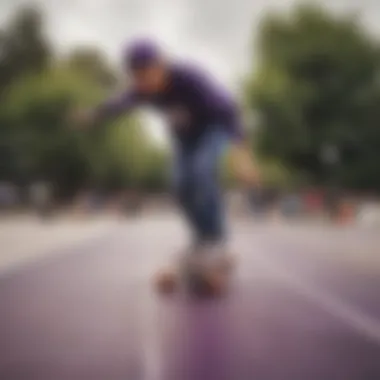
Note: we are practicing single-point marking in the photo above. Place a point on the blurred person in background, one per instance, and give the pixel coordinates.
(203, 119)
(8, 196)
(130, 203)
(291, 205)
(40, 194)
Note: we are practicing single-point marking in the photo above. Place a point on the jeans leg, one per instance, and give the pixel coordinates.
(209, 202)
(184, 190)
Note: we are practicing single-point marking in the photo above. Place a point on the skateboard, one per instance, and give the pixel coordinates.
(197, 277)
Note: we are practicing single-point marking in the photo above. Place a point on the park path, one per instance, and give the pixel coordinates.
(26, 239)
(292, 313)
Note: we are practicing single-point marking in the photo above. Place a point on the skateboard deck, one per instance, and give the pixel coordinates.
(196, 277)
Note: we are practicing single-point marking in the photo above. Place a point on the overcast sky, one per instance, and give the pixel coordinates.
(217, 33)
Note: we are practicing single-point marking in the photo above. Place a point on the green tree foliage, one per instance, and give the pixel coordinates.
(43, 144)
(24, 48)
(91, 64)
(23, 51)
(36, 141)
(317, 83)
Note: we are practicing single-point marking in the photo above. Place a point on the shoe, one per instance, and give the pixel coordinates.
(217, 255)
(166, 281)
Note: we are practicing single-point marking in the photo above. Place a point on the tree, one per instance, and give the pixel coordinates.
(36, 142)
(44, 146)
(317, 83)
(24, 48)
(42, 143)
(23, 51)
(91, 63)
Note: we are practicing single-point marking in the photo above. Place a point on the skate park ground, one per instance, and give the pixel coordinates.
(77, 303)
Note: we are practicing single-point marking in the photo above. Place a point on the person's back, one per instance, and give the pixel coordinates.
(190, 101)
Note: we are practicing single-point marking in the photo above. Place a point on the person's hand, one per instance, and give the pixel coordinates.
(243, 166)
(81, 118)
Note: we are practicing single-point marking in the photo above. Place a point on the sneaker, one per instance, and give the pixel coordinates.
(211, 253)
(188, 253)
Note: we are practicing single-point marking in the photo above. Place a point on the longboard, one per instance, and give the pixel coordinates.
(197, 278)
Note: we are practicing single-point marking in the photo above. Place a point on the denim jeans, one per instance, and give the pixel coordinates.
(198, 187)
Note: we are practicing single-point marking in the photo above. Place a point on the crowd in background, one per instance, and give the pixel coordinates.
(311, 203)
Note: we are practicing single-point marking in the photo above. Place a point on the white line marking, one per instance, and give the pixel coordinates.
(354, 318)
(149, 326)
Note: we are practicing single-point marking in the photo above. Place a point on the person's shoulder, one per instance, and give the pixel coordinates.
(193, 76)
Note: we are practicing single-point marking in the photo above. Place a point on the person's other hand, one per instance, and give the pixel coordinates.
(243, 166)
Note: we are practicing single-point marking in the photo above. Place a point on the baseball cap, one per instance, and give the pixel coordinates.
(141, 53)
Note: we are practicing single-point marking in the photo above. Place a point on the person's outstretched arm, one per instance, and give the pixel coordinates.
(109, 109)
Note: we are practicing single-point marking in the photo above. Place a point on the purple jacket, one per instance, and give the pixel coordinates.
(191, 102)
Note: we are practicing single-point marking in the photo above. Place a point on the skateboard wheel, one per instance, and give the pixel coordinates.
(217, 282)
(208, 283)
(166, 282)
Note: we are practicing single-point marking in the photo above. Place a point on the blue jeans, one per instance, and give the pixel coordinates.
(197, 185)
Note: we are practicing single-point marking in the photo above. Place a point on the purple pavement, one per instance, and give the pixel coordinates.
(91, 314)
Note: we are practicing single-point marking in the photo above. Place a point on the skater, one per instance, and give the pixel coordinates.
(204, 121)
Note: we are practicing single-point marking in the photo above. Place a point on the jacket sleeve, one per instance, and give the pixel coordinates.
(116, 106)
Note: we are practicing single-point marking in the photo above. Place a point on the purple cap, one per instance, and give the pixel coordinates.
(140, 54)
